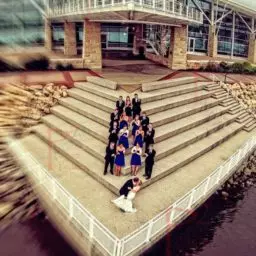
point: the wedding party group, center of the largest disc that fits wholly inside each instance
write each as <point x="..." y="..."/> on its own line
<point x="128" y="119"/>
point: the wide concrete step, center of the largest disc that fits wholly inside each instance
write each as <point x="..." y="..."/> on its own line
<point x="212" y="87"/>
<point x="82" y="139"/>
<point x="168" y="130"/>
<point x="250" y="127"/>
<point x="76" y="155"/>
<point x="98" y="90"/>
<point x="102" y="82"/>
<point x="94" y="167"/>
<point x="244" y="118"/>
<point x="171" y="91"/>
<point x="87" y="110"/>
<point x="156" y="85"/>
<point x="161" y="105"/>
<point x="182" y="140"/>
<point x="175" y="113"/>
<point x="180" y="158"/>
<point x="250" y="122"/>
<point x="92" y="99"/>
<point x="81" y="122"/>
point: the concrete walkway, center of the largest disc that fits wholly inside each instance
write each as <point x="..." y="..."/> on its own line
<point x="149" y="202"/>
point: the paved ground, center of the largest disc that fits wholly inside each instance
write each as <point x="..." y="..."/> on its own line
<point x="150" y="201"/>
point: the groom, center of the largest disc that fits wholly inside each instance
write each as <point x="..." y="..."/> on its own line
<point x="128" y="185"/>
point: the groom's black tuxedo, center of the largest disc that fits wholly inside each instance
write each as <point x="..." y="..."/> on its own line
<point x="124" y="189"/>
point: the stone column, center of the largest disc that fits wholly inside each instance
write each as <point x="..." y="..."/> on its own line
<point x="252" y="48"/>
<point x="137" y="39"/>
<point x="70" y="39"/>
<point x="92" y="56"/>
<point x="178" y="48"/>
<point x="47" y="35"/>
<point x="212" y="42"/>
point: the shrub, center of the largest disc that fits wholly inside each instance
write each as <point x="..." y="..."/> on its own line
<point x="60" y="67"/>
<point x="69" y="67"/>
<point x="6" y="67"/>
<point x="224" y="66"/>
<point x="212" y="67"/>
<point x="237" y="67"/>
<point x="40" y="63"/>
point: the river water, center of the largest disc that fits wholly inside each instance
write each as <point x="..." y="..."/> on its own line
<point x="219" y="227"/>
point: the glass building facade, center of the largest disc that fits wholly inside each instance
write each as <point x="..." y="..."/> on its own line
<point x="21" y="23"/>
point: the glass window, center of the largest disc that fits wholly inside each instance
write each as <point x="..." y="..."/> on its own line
<point x="58" y="34"/>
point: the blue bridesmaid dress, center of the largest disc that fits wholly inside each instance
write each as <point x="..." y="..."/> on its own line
<point x="136" y="159"/>
<point x="124" y="140"/>
<point x="138" y="139"/>
<point x="119" y="160"/>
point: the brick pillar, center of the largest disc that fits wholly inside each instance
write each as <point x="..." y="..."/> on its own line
<point x="137" y="40"/>
<point x="212" y="42"/>
<point x="178" y="48"/>
<point x="47" y="35"/>
<point x="92" y="55"/>
<point x="70" y="39"/>
<point x="252" y="49"/>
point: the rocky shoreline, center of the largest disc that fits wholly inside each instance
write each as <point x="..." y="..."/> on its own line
<point x="17" y="199"/>
<point x="21" y="107"/>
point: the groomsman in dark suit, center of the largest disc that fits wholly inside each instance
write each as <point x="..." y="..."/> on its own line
<point x="110" y="157"/>
<point x="136" y="105"/>
<point x="113" y="133"/>
<point x="144" y="122"/>
<point x="120" y="106"/>
<point x="149" y="136"/>
<point x="149" y="161"/>
<point x="114" y="116"/>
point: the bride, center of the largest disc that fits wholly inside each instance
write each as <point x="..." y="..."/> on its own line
<point x="125" y="202"/>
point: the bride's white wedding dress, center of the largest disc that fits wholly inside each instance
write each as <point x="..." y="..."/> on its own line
<point x="125" y="204"/>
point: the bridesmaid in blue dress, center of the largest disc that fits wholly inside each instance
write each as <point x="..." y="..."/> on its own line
<point x="123" y="121"/>
<point x="139" y="137"/>
<point x="123" y="137"/>
<point x="135" y="125"/>
<point x="119" y="160"/>
<point x="136" y="159"/>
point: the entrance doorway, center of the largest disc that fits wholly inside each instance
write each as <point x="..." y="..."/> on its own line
<point x="191" y="44"/>
<point x="104" y="40"/>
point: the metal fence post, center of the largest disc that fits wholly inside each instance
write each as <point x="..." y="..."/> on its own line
<point x="207" y="185"/>
<point x="71" y="209"/>
<point x="220" y="171"/>
<point x="54" y="189"/>
<point x="149" y="231"/>
<point x="172" y="213"/>
<point x="118" y="248"/>
<point x="91" y="227"/>
<point x="191" y="199"/>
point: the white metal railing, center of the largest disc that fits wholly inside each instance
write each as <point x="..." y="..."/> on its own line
<point x="171" y="7"/>
<point x="90" y="226"/>
<point x="184" y="205"/>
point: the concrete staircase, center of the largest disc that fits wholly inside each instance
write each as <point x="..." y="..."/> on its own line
<point x="188" y="119"/>
<point x="243" y="117"/>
